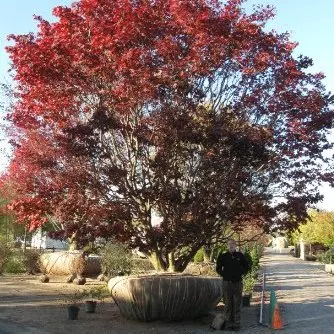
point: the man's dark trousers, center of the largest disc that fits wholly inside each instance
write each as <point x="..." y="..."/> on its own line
<point x="232" y="293"/>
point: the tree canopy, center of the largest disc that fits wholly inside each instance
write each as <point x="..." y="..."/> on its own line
<point x="162" y="122"/>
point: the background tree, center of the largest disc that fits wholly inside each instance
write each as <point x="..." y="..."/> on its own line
<point x="318" y="229"/>
<point x="185" y="110"/>
<point x="9" y="229"/>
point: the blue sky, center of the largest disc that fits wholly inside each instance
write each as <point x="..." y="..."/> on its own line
<point x="310" y="23"/>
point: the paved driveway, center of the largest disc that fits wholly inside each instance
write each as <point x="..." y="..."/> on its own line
<point x="304" y="291"/>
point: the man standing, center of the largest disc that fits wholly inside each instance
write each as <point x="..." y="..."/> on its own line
<point x="232" y="265"/>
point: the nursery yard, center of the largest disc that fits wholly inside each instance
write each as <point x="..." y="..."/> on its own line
<point x="28" y="306"/>
<point x="304" y="291"/>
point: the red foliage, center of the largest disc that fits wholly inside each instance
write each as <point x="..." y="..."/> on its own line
<point x="185" y="108"/>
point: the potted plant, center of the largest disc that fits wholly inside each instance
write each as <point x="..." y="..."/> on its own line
<point x="247" y="289"/>
<point x="93" y="295"/>
<point x="72" y="302"/>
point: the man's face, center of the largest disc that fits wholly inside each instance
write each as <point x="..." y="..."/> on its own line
<point x="231" y="245"/>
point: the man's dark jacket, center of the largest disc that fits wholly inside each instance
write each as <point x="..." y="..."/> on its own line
<point x="232" y="266"/>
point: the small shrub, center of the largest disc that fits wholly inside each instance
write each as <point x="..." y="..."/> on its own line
<point x="96" y="293"/>
<point x="115" y="259"/>
<point x="14" y="264"/>
<point x="327" y="257"/>
<point x="31" y="260"/>
<point x="248" y="284"/>
<point x="74" y="298"/>
<point x="253" y="259"/>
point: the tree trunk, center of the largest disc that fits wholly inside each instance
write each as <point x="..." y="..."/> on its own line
<point x="171" y="262"/>
<point x="207" y="252"/>
<point x="157" y="261"/>
<point x="212" y="255"/>
<point x="73" y="245"/>
<point x="25" y="238"/>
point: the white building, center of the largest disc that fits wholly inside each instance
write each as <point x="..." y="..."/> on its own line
<point x="41" y="240"/>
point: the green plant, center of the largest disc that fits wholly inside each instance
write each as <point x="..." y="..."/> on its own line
<point x="14" y="264"/>
<point x="199" y="256"/>
<point x="96" y="293"/>
<point x="253" y="258"/>
<point x="327" y="257"/>
<point x="248" y="284"/>
<point x="115" y="259"/>
<point x="255" y="255"/>
<point x="74" y="298"/>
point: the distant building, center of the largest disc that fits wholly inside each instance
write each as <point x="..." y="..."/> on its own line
<point x="280" y="242"/>
<point x="41" y="240"/>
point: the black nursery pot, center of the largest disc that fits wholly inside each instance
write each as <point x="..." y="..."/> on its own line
<point x="72" y="312"/>
<point x="246" y="300"/>
<point x="90" y="306"/>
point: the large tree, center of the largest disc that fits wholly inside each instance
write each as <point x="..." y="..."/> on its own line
<point x="187" y="111"/>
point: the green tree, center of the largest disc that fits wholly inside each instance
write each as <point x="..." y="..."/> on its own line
<point x="319" y="228"/>
<point x="9" y="229"/>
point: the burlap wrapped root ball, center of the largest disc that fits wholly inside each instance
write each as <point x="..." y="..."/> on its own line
<point x="167" y="297"/>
